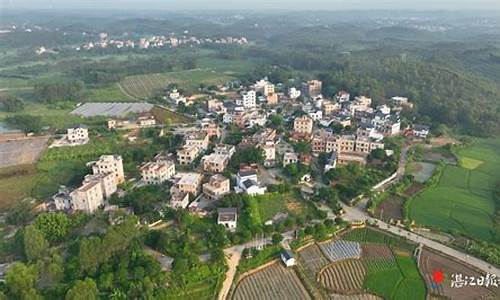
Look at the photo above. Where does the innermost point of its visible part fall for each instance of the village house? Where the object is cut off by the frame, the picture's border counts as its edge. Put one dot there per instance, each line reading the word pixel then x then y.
pixel 303 125
pixel 215 163
pixel 293 93
pixel 228 217
pixel 420 131
pixel 247 182
pixel 312 88
pixel 157 172
pixel 197 139
pixel 290 158
pixel 223 149
pixel 187 154
pixel 342 96
pixel 330 107
pixel 78 135
pixel 216 106
pixel 272 99
pixel 189 183
pixel 216 187
pixel 211 129
pixel 178 198
pixel 109 164
pixel 288 258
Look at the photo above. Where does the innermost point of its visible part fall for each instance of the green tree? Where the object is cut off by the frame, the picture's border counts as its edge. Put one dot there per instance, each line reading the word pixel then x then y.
pixel 26 123
pixel 83 290
pixel 277 238
pixel 54 226
pixel 35 244
pixel 20 281
pixel 12 104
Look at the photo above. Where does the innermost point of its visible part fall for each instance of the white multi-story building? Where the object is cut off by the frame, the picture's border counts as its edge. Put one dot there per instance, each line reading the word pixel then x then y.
pixel 157 172
pixel 248 99
pixel 187 155
pixel 316 116
pixel 78 134
pixel 248 182
pixel 109 164
pixel 107 181
pixel 223 149
pixel 87 198
pixel 343 96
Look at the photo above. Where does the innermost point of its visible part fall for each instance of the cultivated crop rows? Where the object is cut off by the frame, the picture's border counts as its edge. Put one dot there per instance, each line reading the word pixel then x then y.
pixel 273 282
pixel 313 258
pixel 344 276
pixel 340 250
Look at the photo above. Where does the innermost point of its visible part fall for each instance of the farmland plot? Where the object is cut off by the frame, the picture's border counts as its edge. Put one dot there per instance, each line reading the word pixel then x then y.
pixel 273 282
pixel 344 277
pixel 313 258
pixel 378 257
pixel 340 250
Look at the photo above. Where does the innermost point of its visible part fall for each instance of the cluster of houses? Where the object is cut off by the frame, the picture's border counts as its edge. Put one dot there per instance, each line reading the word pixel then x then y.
pixel 160 41
pixel 347 129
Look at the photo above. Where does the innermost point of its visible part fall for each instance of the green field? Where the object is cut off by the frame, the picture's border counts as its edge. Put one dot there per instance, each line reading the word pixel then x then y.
pixel 145 86
pixel 462 200
pixel 402 281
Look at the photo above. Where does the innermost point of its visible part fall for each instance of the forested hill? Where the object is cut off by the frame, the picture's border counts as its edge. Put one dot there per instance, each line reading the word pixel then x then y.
pixel 441 93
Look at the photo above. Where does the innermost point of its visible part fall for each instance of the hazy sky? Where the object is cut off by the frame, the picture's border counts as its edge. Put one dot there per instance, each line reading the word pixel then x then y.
pixel 257 4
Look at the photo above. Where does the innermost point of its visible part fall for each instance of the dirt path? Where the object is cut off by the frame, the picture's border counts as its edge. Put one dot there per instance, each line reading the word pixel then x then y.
pixel 233 256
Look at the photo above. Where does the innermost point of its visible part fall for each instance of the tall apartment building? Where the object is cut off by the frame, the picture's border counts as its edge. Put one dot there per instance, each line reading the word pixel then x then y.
pixel 88 197
pixel 303 125
pixel 107 181
pixel 157 172
pixel 109 164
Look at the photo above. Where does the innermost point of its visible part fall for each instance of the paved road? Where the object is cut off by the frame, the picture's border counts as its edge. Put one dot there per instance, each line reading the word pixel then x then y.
pixel 358 214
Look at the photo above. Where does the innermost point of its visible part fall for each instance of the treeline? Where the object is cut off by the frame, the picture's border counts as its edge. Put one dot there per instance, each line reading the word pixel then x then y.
pixel 68 91
pixel 110 71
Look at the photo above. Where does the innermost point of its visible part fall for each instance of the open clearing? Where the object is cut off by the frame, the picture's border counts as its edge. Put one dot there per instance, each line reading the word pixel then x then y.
pixel 272 282
pixel 470 163
pixel 462 201
pixel 21 151
pixel 431 261
pixel 145 86
pixel 422 171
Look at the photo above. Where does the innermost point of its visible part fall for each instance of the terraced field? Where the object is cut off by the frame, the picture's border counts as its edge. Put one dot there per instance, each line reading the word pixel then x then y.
pixel 313 258
pixel 346 276
pixel 378 257
pixel 273 282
